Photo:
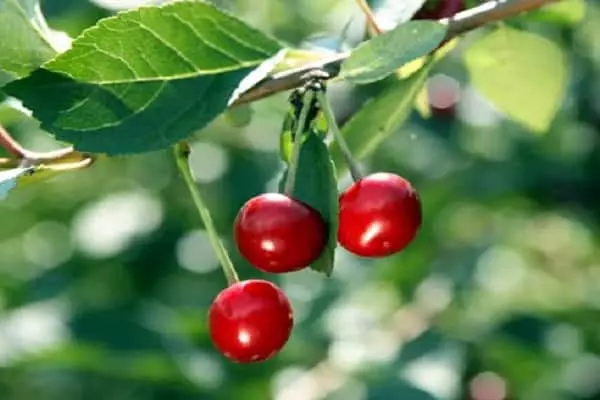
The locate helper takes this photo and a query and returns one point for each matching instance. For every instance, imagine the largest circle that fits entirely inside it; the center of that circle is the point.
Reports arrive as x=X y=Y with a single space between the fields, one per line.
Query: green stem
x=298 y=136
x=331 y=121
x=182 y=153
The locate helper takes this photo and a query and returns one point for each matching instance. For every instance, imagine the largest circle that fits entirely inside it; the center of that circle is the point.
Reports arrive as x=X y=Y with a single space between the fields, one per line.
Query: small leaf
x=521 y=73
x=26 y=39
x=316 y=123
x=144 y=79
x=8 y=180
x=316 y=185
x=239 y=116
x=380 y=117
x=384 y=54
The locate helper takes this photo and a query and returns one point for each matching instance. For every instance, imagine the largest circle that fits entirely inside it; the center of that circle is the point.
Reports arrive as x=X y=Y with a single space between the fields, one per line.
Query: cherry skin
x=278 y=234
x=438 y=9
x=380 y=215
x=250 y=321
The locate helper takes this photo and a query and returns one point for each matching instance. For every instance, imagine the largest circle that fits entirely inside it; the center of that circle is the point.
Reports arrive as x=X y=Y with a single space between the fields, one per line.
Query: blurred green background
x=106 y=274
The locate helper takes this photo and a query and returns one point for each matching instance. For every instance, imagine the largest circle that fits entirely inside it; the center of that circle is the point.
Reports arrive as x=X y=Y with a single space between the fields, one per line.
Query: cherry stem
x=182 y=153
x=290 y=182
x=371 y=21
x=337 y=134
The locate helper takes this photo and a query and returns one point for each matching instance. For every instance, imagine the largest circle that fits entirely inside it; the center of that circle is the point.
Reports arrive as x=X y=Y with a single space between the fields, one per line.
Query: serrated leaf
x=380 y=117
x=8 y=180
x=384 y=54
x=316 y=185
x=521 y=73
x=144 y=79
x=26 y=40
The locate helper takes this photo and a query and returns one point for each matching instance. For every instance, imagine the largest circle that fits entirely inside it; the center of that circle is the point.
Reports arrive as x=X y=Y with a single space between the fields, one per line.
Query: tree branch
x=491 y=11
x=371 y=22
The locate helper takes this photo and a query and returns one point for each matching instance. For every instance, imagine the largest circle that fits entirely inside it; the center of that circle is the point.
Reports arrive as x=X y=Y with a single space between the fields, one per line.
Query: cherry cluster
x=379 y=215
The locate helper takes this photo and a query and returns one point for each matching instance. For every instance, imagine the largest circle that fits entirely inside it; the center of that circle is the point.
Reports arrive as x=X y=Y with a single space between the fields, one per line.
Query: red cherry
x=277 y=234
x=250 y=321
x=440 y=9
x=379 y=215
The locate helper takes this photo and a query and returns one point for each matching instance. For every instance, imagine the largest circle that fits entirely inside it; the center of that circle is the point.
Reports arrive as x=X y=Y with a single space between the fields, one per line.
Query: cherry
x=250 y=321
x=380 y=214
x=444 y=96
x=278 y=234
x=438 y=9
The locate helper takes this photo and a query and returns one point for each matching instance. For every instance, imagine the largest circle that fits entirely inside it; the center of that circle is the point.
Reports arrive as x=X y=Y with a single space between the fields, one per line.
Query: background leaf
x=8 y=180
x=144 y=79
x=316 y=185
x=522 y=73
x=380 y=117
x=26 y=40
x=384 y=54
x=568 y=12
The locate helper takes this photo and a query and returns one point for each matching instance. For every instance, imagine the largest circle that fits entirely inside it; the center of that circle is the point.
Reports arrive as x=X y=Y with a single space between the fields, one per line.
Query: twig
x=364 y=7
x=10 y=144
x=491 y=11
x=62 y=159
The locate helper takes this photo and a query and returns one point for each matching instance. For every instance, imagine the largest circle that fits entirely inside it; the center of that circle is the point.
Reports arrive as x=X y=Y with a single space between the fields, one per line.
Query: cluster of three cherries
x=252 y=320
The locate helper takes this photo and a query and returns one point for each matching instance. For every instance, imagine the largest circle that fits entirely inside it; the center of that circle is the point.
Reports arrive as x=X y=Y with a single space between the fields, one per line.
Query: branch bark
x=491 y=11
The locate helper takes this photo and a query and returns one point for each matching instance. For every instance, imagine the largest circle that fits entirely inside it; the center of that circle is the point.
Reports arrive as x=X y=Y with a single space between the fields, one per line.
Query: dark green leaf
x=384 y=54
x=316 y=185
x=380 y=117
x=26 y=40
x=144 y=79
x=522 y=73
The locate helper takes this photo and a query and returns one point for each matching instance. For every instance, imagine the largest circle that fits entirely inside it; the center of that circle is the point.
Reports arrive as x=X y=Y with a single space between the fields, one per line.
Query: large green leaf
x=521 y=73
x=384 y=54
x=25 y=42
x=316 y=185
x=380 y=117
x=144 y=79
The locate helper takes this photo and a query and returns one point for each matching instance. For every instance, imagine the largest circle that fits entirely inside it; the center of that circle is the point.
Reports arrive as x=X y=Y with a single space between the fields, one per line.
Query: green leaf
x=144 y=79
x=384 y=54
x=521 y=73
x=316 y=185
x=8 y=180
x=380 y=117
x=26 y=39
x=239 y=116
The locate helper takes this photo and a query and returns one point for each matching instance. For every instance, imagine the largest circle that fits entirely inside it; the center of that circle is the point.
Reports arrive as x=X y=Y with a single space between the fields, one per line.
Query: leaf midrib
x=157 y=79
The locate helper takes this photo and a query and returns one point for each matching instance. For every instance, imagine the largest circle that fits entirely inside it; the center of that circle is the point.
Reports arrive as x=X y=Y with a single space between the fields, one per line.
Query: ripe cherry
x=250 y=321
x=380 y=214
x=277 y=233
x=438 y=9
